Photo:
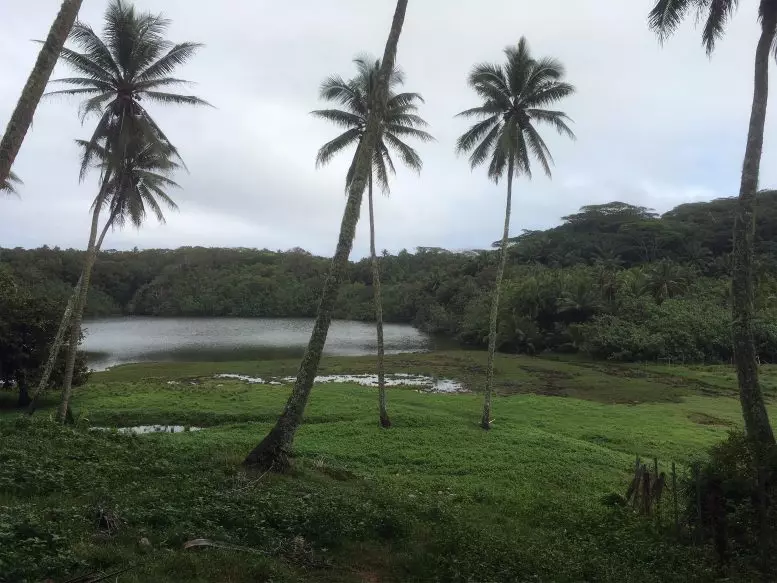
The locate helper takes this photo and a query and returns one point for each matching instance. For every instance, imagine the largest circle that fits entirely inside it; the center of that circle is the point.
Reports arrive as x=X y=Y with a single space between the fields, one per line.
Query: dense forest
x=614 y=281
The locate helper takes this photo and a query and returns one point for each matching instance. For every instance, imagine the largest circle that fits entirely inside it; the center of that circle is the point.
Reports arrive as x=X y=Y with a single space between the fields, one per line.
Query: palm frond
x=340 y=118
x=409 y=132
x=543 y=71
x=336 y=89
x=488 y=109
x=381 y=164
x=549 y=93
x=162 y=97
x=9 y=185
x=557 y=119
x=468 y=140
x=85 y=65
x=538 y=148
x=409 y=156
x=499 y=154
x=666 y=16
x=84 y=36
x=489 y=82
x=520 y=151
x=161 y=82
x=175 y=57
x=409 y=120
x=328 y=150
x=485 y=148
x=404 y=100
x=719 y=13
x=519 y=67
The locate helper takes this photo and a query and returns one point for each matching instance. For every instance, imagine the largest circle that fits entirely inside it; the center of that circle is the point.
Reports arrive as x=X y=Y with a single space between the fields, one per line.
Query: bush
x=736 y=500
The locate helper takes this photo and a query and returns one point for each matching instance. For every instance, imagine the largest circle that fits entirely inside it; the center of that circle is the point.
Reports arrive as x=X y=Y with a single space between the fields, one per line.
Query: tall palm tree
x=274 y=450
x=514 y=97
x=21 y=118
x=138 y=185
x=8 y=186
x=400 y=121
x=132 y=62
x=664 y=19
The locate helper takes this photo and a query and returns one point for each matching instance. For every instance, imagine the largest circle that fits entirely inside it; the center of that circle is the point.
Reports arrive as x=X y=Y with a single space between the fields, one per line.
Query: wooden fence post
x=674 y=497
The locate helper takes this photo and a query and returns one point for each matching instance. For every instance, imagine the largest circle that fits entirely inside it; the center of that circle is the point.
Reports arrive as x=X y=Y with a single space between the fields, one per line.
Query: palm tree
x=131 y=64
x=140 y=183
x=146 y=178
x=664 y=19
x=514 y=99
x=21 y=118
x=666 y=280
x=274 y=450
x=400 y=121
x=8 y=186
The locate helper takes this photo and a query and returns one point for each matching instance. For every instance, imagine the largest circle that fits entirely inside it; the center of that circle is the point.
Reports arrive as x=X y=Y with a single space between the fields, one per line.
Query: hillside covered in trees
x=614 y=281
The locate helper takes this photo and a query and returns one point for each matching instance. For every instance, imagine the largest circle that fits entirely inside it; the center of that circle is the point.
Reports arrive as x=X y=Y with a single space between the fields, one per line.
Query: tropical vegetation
x=630 y=316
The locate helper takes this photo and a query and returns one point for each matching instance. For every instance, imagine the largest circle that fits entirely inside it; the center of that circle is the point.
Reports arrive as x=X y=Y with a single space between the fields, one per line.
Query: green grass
x=434 y=498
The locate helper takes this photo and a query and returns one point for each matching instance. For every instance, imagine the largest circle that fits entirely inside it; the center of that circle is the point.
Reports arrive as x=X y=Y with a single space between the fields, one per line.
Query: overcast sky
x=656 y=126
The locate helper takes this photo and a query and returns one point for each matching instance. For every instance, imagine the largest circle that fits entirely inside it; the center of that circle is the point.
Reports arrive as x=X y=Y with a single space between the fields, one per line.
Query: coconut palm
x=132 y=62
x=274 y=450
x=8 y=186
x=664 y=19
x=21 y=118
x=514 y=97
x=400 y=121
x=139 y=185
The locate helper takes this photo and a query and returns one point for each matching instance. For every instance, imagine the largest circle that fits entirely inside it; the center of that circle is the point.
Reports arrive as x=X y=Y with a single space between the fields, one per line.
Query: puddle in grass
x=143 y=429
x=426 y=383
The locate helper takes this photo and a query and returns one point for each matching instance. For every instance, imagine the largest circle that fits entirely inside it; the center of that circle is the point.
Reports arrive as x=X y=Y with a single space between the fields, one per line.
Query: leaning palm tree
x=132 y=62
x=138 y=185
x=21 y=118
x=146 y=176
x=400 y=121
x=8 y=186
x=514 y=96
x=664 y=19
x=274 y=450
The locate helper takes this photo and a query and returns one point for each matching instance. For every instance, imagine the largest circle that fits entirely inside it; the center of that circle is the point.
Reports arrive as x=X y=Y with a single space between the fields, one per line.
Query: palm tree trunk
x=751 y=398
x=485 y=423
x=56 y=345
x=78 y=312
x=21 y=119
x=385 y=422
x=274 y=450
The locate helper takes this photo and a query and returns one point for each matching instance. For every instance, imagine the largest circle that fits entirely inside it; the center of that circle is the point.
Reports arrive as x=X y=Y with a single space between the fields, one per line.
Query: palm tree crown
x=355 y=96
x=131 y=62
x=667 y=15
x=514 y=97
x=9 y=186
x=139 y=183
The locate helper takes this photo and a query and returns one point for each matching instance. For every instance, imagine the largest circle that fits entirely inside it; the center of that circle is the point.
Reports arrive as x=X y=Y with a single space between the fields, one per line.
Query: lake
x=112 y=341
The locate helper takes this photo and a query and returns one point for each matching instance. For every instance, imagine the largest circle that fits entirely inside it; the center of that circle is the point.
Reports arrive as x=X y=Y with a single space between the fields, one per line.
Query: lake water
x=113 y=341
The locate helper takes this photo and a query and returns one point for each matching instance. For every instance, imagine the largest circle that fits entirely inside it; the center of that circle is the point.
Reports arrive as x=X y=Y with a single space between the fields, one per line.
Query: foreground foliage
x=433 y=499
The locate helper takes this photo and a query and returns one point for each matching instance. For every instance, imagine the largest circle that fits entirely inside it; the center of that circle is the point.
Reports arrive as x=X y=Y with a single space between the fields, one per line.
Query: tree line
x=612 y=281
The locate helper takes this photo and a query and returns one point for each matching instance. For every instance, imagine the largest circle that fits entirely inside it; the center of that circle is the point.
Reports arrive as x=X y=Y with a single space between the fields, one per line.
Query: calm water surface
x=113 y=341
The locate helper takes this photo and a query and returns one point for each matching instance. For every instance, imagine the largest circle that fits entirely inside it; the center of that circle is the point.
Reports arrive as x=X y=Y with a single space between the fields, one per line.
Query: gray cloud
x=656 y=126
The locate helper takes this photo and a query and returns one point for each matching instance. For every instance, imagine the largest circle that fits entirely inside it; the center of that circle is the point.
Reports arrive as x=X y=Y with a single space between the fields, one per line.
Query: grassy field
x=433 y=499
